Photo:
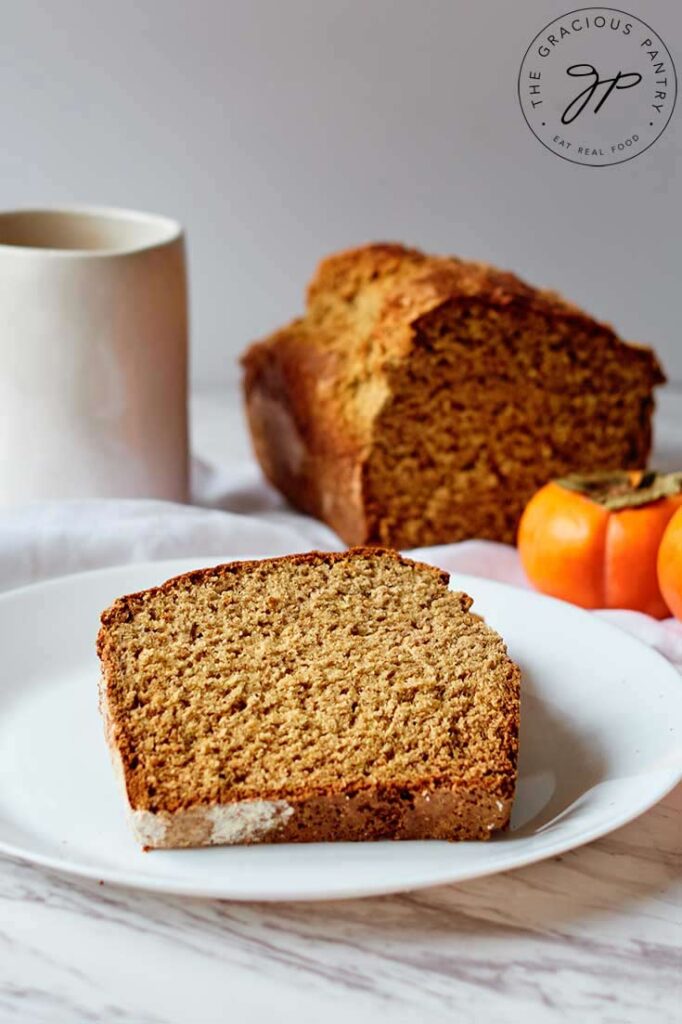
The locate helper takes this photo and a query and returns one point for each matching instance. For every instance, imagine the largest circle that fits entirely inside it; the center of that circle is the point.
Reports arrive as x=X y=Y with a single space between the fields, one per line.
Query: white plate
x=600 y=743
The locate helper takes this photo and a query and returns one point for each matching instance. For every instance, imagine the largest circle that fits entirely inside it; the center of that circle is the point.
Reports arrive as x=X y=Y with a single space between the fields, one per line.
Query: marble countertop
x=594 y=935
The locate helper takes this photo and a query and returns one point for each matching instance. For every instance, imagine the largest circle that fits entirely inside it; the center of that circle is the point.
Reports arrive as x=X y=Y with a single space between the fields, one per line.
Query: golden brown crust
x=326 y=484
x=446 y=813
x=315 y=390
x=123 y=607
x=449 y=814
x=435 y=279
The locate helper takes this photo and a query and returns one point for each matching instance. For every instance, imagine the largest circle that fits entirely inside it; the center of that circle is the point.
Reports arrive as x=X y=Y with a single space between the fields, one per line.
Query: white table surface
x=592 y=936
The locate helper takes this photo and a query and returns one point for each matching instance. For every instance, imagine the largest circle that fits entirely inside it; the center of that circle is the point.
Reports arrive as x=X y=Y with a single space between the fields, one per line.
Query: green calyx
x=624 y=488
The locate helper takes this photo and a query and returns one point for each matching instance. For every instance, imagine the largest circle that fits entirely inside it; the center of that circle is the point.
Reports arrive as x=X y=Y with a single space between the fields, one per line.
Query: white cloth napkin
x=54 y=538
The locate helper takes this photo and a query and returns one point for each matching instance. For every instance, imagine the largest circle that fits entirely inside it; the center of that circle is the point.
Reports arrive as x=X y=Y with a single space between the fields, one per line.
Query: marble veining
x=593 y=935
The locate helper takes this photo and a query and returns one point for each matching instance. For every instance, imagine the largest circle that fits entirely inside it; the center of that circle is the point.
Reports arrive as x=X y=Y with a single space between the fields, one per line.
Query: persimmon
x=670 y=564
x=593 y=539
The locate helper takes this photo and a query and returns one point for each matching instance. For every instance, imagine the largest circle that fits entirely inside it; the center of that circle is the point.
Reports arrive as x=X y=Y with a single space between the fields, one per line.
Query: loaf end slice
x=327 y=696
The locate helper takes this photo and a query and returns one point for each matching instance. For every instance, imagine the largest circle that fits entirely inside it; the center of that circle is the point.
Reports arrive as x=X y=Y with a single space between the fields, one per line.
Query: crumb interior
x=512 y=404
x=283 y=677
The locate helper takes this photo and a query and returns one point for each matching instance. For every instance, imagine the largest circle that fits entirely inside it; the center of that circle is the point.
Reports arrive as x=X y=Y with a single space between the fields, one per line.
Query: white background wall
x=277 y=130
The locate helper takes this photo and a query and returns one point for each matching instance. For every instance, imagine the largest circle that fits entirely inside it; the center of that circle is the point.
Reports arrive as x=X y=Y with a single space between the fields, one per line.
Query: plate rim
x=671 y=776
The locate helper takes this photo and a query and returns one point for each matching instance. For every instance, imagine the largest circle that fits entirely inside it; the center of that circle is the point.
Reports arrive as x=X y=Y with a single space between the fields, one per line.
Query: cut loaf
x=423 y=399
x=343 y=696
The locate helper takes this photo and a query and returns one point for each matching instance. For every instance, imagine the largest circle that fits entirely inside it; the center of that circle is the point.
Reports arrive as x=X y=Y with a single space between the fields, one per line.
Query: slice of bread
x=343 y=696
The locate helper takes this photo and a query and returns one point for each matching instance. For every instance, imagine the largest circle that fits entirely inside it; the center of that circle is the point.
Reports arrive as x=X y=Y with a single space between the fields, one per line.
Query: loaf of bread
x=423 y=399
x=314 y=697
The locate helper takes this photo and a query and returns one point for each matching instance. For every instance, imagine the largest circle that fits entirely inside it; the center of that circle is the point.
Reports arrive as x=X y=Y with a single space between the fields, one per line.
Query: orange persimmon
x=670 y=564
x=593 y=539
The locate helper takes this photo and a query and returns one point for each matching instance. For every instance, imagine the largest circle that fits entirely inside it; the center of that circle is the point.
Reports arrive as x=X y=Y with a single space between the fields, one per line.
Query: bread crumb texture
x=320 y=677
x=424 y=399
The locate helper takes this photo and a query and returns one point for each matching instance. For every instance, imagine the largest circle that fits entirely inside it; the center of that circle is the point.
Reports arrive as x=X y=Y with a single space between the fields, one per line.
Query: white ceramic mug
x=93 y=355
